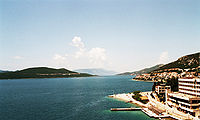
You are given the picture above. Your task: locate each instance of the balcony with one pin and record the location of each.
(189, 84)
(190, 88)
(185, 91)
(172, 99)
(179, 95)
(191, 80)
(188, 109)
(188, 104)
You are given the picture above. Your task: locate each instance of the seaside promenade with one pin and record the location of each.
(146, 108)
(154, 108)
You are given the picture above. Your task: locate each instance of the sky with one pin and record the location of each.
(118, 35)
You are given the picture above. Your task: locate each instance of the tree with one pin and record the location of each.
(136, 92)
(153, 87)
(173, 82)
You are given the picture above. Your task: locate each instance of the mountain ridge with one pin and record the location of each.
(96, 71)
(142, 71)
(185, 66)
(184, 62)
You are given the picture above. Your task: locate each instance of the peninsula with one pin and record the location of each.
(42, 72)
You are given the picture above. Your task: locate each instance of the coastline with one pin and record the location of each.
(154, 108)
(144, 107)
(143, 80)
(47, 77)
(128, 98)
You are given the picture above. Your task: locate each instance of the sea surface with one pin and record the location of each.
(82, 98)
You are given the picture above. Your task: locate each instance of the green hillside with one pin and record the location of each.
(148, 70)
(185, 62)
(41, 72)
(44, 70)
(125, 73)
(145, 70)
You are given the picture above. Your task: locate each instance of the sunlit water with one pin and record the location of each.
(68, 98)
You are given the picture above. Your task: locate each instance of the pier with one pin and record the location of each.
(147, 111)
(125, 109)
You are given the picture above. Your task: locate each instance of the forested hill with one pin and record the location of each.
(41, 72)
(185, 62)
(44, 70)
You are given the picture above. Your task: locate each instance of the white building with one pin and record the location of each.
(160, 89)
(187, 100)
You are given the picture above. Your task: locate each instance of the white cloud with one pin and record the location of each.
(164, 58)
(18, 57)
(60, 60)
(82, 57)
(76, 42)
(97, 55)
(94, 54)
(66, 55)
(80, 53)
(58, 57)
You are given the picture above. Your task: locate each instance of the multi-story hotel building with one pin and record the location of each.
(160, 89)
(187, 99)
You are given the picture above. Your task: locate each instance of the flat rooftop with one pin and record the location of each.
(183, 96)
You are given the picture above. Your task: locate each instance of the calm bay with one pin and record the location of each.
(83, 98)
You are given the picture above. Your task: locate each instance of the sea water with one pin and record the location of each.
(83, 98)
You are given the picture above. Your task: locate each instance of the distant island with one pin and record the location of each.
(96, 71)
(41, 72)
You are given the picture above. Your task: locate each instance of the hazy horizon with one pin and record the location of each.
(118, 35)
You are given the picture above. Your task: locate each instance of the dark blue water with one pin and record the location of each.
(68, 98)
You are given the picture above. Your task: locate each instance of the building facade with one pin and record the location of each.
(160, 89)
(187, 100)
